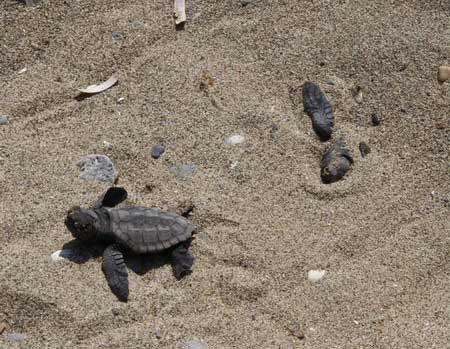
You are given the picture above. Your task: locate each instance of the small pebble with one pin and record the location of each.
(3, 120)
(21, 71)
(235, 139)
(183, 172)
(121, 100)
(117, 36)
(364, 149)
(107, 145)
(158, 150)
(158, 334)
(16, 337)
(375, 120)
(195, 344)
(331, 82)
(136, 24)
(443, 73)
(97, 167)
(315, 275)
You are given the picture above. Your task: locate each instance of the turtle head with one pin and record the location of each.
(82, 223)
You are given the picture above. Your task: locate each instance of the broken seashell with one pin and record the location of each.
(100, 87)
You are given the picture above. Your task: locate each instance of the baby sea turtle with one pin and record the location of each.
(319, 110)
(335, 163)
(131, 230)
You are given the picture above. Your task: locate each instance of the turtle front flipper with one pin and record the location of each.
(181, 261)
(112, 197)
(116, 272)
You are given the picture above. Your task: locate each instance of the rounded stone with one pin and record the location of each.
(157, 151)
(316, 275)
(3, 120)
(443, 74)
(97, 167)
(375, 120)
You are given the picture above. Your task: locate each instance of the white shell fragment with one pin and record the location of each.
(101, 87)
(316, 275)
(235, 139)
(21, 71)
(179, 11)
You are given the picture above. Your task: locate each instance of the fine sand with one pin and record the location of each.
(381, 234)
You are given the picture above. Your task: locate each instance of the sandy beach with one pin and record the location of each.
(381, 234)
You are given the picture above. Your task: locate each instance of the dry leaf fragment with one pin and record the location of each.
(101, 87)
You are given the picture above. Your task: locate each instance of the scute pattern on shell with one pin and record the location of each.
(146, 230)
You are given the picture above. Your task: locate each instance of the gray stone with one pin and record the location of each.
(16, 337)
(183, 172)
(158, 150)
(195, 344)
(3, 120)
(375, 120)
(136, 24)
(97, 167)
(364, 149)
(117, 36)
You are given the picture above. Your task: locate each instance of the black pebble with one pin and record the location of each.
(157, 151)
(364, 149)
(375, 120)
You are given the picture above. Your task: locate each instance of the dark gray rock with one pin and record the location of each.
(364, 149)
(375, 120)
(97, 167)
(158, 150)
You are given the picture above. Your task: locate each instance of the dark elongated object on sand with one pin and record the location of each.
(335, 163)
(319, 110)
(131, 230)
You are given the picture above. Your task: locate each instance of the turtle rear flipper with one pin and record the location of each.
(181, 261)
(116, 272)
(319, 110)
(112, 197)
